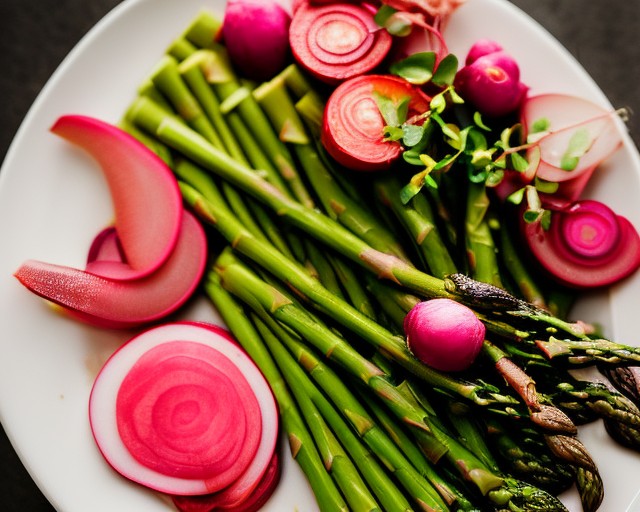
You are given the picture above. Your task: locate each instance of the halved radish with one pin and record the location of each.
(123, 303)
(182, 409)
(570, 119)
(353, 126)
(587, 245)
(145, 194)
(337, 41)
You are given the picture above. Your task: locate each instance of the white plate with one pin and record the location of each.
(53, 200)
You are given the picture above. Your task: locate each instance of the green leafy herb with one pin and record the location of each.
(393, 113)
(384, 13)
(416, 69)
(546, 187)
(540, 125)
(579, 144)
(446, 71)
(518, 162)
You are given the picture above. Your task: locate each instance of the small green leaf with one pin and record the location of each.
(477, 140)
(518, 162)
(545, 220)
(384, 13)
(531, 216)
(494, 178)
(579, 144)
(438, 103)
(455, 97)
(477, 175)
(481, 157)
(394, 113)
(430, 182)
(540, 125)
(411, 134)
(428, 161)
(516, 197)
(416, 69)
(393, 133)
(412, 156)
(546, 187)
(477, 119)
(446, 71)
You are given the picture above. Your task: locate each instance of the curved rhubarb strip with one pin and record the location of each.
(145, 194)
(179, 409)
(337, 41)
(352, 131)
(123, 304)
(568, 118)
(587, 245)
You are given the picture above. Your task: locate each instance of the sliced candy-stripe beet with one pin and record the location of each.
(182, 409)
(337, 41)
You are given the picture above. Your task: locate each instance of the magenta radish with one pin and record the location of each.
(444, 334)
(353, 127)
(181, 409)
(337, 41)
(491, 81)
(256, 35)
(123, 303)
(145, 194)
(573, 135)
(481, 48)
(586, 245)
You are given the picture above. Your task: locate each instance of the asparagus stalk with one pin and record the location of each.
(415, 455)
(526, 455)
(336, 460)
(379, 481)
(520, 274)
(301, 443)
(626, 379)
(418, 219)
(481, 249)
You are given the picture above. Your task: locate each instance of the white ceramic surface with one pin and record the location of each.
(53, 200)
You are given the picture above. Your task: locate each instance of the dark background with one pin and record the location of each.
(35, 35)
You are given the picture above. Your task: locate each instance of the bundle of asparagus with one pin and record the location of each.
(314, 273)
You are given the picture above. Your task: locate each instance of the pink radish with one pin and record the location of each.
(444, 334)
(123, 303)
(256, 34)
(491, 81)
(146, 198)
(182, 409)
(587, 245)
(353, 127)
(569, 118)
(337, 41)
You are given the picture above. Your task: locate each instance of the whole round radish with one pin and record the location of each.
(256, 34)
(444, 334)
